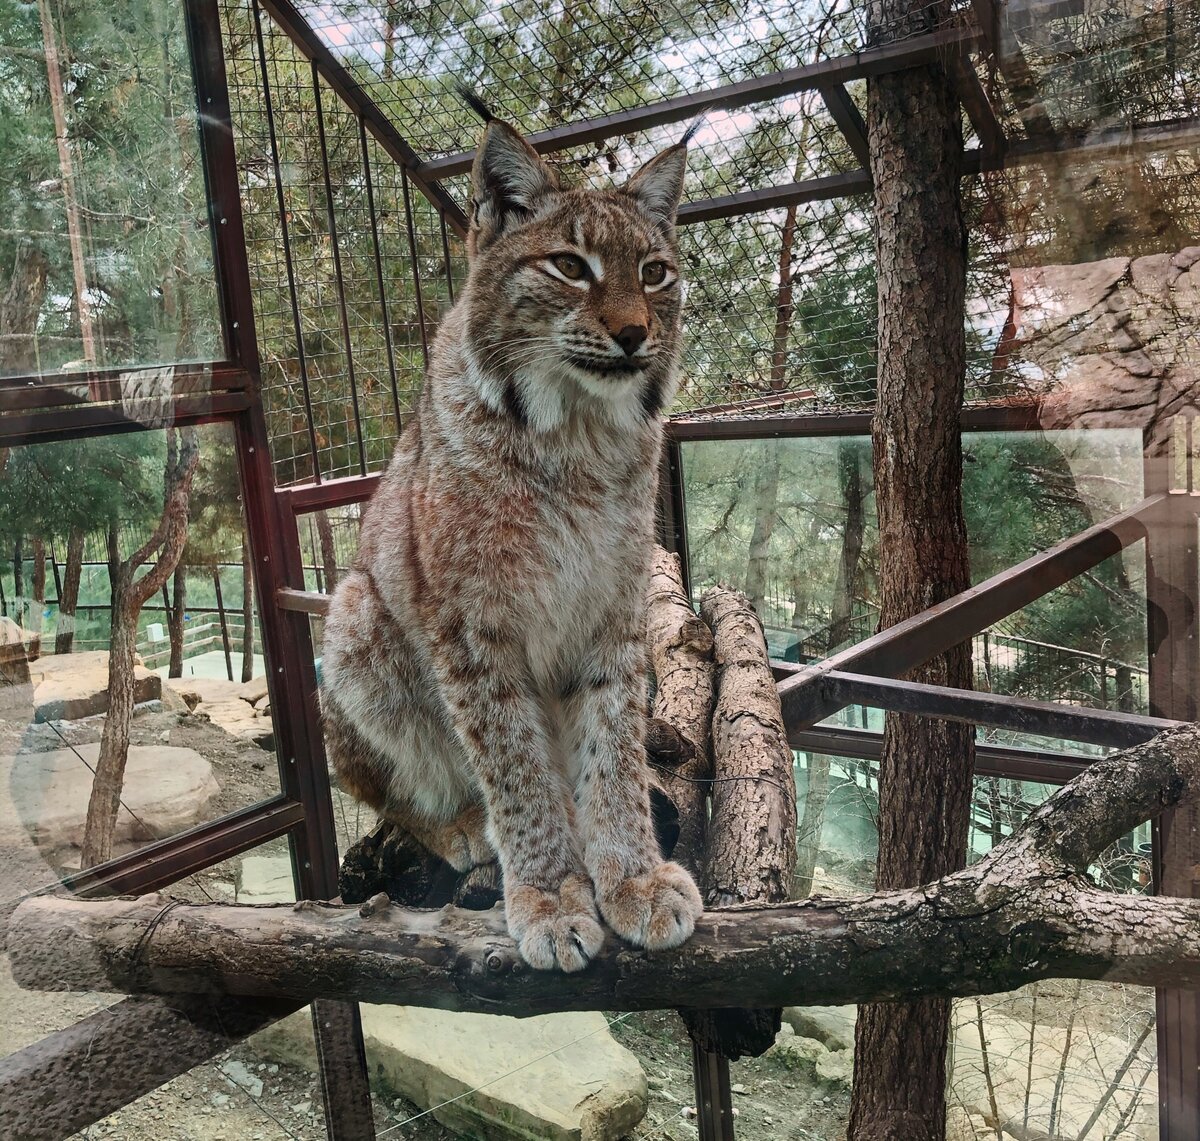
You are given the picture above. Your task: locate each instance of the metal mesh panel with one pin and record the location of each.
(343, 308)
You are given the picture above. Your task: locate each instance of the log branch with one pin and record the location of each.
(1025, 912)
(681, 654)
(751, 850)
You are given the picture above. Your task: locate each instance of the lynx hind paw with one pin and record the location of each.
(555, 930)
(465, 844)
(656, 910)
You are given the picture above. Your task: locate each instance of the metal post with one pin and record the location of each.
(275, 551)
(714, 1101)
(224, 624)
(1172, 598)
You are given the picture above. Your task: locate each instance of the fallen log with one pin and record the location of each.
(750, 853)
(681, 654)
(1027, 911)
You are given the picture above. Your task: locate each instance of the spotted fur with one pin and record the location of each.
(485, 659)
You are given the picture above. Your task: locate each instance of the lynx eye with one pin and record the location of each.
(571, 267)
(654, 273)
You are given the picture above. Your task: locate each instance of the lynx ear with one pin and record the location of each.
(658, 186)
(507, 182)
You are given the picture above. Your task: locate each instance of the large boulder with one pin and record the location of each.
(67, 687)
(44, 796)
(832, 1026)
(554, 1077)
(228, 705)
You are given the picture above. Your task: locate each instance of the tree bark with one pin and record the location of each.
(681, 654)
(853, 499)
(751, 851)
(808, 842)
(915, 141)
(38, 607)
(18, 561)
(68, 601)
(328, 551)
(1026, 911)
(247, 610)
(165, 545)
(175, 620)
(20, 307)
(766, 514)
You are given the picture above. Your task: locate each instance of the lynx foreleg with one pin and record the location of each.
(548, 898)
(650, 902)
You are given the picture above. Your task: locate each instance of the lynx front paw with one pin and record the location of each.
(655, 910)
(555, 929)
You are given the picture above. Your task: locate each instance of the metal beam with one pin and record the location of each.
(900, 648)
(820, 189)
(1041, 766)
(823, 73)
(849, 120)
(1043, 718)
(978, 107)
(696, 425)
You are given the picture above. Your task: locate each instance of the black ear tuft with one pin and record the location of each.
(468, 96)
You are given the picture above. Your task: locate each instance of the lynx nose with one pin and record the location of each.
(630, 338)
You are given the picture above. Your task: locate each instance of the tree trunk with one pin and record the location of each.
(808, 837)
(915, 141)
(19, 600)
(766, 513)
(853, 499)
(38, 607)
(783, 303)
(67, 171)
(105, 801)
(20, 307)
(247, 610)
(129, 595)
(328, 551)
(175, 620)
(64, 635)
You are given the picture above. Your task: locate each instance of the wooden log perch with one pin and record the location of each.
(750, 854)
(1026, 911)
(681, 654)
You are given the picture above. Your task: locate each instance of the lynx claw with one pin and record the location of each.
(656, 910)
(555, 930)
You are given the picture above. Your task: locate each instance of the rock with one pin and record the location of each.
(238, 1073)
(238, 719)
(832, 1026)
(67, 687)
(579, 1085)
(45, 795)
(254, 691)
(836, 1067)
(797, 1053)
(266, 879)
(172, 699)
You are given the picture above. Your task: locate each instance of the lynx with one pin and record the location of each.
(484, 660)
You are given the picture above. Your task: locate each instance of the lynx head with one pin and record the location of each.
(574, 295)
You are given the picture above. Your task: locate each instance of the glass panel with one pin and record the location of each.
(190, 740)
(106, 251)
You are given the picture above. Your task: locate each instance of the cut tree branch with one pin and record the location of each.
(1024, 912)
